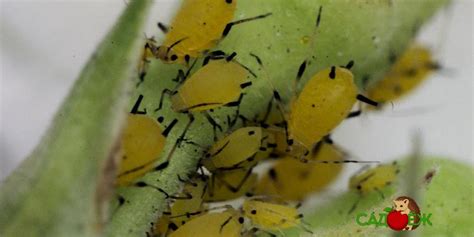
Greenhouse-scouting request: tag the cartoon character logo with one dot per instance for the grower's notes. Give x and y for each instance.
(404, 215)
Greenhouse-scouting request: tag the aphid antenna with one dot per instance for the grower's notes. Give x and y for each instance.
(275, 93)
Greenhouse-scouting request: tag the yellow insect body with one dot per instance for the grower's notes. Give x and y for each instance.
(411, 69)
(291, 179)
(373, 179)
(176, 216)
(142, 143)
(225, 224)
(324, 103)
(214, 85)
(270, 216)
(225, 185)
(197, 27)
(234, 150)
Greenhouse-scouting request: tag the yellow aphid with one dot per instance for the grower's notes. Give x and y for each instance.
(270, 216)
(142, 143)
(239, 149)
(183, 210)
(410, 70)
(325, 101)
(224, 224)
(374, 179)
(230, 184)
(197, 27)
(291, 179)
(218, 83)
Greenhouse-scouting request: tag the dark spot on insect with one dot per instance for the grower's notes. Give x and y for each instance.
(250, 159)
(411, 72)
(172, 226)
(183, 222)
(313, 105)
(141, 184)
(262, 148)
(287, 50)
(173, 57)
(228, 1)
(272, 173)
(211, 110)
(187, 58)
(160, 119)
(350, 64)
(251, 133)
(121, 200)
(124, 157)
(204, 23)
(241, 220)
(359, 187)
(253, 212)
(332, 74)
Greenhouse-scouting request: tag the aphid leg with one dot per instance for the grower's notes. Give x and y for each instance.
(214, 124)
(235, 189)
(163, 93)
(354, 114)
(268, 111)
(217, 54)
(168, 128)
(225, 223)
(237, 111)
(142, 184)
(164, 28)
(255, 230)
(354, 206)
(229, 26)
(181, 77)
(162, 166)
(186, 128)
(366, 100)
(137, 106)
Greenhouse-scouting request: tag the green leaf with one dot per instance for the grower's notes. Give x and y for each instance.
(61, 188)
(368, 32)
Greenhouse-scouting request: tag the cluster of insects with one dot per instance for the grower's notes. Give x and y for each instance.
(303, 158)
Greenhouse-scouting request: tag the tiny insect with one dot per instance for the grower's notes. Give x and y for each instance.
(218, 83)
(272, 216)
(198, 26)
(228, 223)
(408, 73)
(143, 141)
(373, 179)
(184, 210)
(325, 101)
(147, 54)
(281, 179)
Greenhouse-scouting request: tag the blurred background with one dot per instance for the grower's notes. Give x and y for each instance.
(45, 43)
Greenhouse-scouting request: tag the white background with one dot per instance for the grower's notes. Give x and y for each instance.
(44, 45)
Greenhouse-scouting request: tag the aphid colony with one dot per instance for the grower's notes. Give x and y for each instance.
(303, 157)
